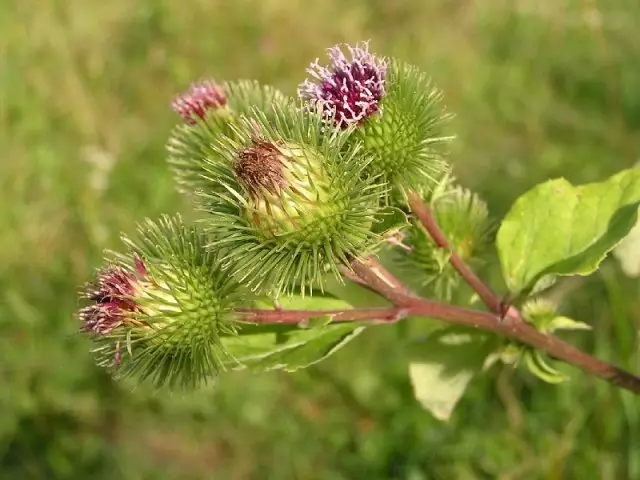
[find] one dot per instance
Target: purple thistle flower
(201, 97)
(113, 295)
(349, 88)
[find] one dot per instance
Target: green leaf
(566, 323)
(390, 218)
(352, 293)
(559, 229)
(540, 368)
(628, 252)
(281, 347)
(444, 364)
(289, 350)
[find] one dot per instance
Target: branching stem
(424, 214)
(506, 320)
(300, 317)
(502, 320)
(409, 305)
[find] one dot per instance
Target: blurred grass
(540, 88)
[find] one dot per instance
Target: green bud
(406, 140)
(464, 219)
(289, 192)
(288, 200)
(542, 314)
(539, 312)
(160, 311)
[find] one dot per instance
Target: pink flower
(201, 97)
(113, 297)
(349, 88)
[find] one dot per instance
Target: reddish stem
(372, 274)
(297, 317)
(424, 214)
(409, 305)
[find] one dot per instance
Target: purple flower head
(201, 97)
(113, 297)
(349, 88)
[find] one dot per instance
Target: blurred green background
(540, 87)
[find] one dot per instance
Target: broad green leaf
(559, 229)
(284, 347)
(444, 364)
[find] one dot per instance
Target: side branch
(409, 305)
(423, 213)
(524, 333)
(297, 317)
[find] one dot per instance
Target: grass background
(540, 87)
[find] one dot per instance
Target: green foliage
(628, 252)
(559, 229)
(289, 348)
(542, 314)
(538, 366)
(442, 366)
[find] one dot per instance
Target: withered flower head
(261, 166)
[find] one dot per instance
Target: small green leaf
(559, 229)
(283, 347)
(288, 349)
(540, 368)
(444, 364)
(566, 323)
(539, 312)
(390, 218)
(511, 353)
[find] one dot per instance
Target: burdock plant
(311, 208)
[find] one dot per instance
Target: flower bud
(288, 191)
(288, 201)
(397, 111)
(160, 311)
(463, 218)
(201, 98)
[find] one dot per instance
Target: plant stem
(378, 278)
(409, 305)
(424, 214)
(351, 276)
(297, 317)
(504, 320)
(524, 333)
